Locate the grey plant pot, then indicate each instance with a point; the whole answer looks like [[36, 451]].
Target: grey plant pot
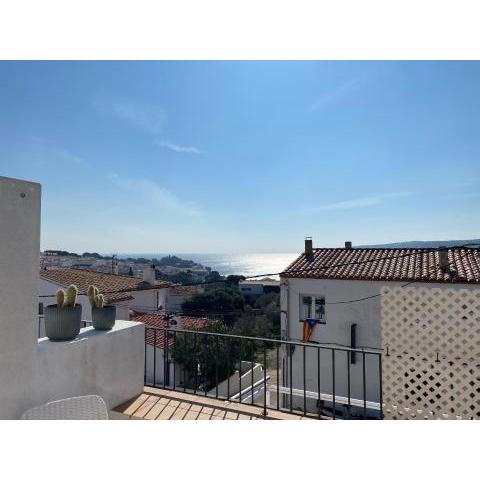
[[62, 324], [104, 318]]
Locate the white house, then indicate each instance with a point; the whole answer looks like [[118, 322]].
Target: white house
[[257, 287], [340, 290], [176, 295], [124, 291]]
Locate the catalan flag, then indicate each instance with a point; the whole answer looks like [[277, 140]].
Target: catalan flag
[[308, 326]]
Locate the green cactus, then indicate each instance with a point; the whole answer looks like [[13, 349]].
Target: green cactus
[[99, 301], [96, 300], [71, 296], [92, 292], [60, 298]]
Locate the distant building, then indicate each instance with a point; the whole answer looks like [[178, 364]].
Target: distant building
[[257, 287], [176, 295]]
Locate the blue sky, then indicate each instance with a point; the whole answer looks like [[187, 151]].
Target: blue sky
[[244, 156]]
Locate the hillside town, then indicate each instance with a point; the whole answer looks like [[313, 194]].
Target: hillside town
[[170, 267]]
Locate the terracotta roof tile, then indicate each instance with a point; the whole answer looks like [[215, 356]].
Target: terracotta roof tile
[[387, 264], [183, 290], [160, 320], [105, 282]]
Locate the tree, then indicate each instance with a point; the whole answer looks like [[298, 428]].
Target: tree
[[222, 300], [232, 280], [206, 359], [213, 276], [130, 271]]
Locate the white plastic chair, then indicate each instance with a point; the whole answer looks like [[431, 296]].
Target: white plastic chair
[[89, 407]]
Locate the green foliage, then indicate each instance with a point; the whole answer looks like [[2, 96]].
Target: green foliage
[[130, 272], [213, 276], [219, 300], [206, 357], [184, 278], [232, 280], [60, 298], [71, 296]]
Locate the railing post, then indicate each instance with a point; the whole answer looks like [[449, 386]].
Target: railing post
[[173, 354], [265, 381], [291, 378], [333, 383], [364, 386], [319, 383], [252, 365], [216, 367], [278, 385], [304, 382], [145, 357], [380, 384], [349, 408], [154, 357], [165, 357], [227, 345], [195, 364]]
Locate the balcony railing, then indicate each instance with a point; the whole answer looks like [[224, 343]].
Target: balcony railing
[[311, 379]]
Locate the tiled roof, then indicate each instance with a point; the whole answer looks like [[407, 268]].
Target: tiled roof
[[387, 264], [183, 291], [105, 282], [161, 321]]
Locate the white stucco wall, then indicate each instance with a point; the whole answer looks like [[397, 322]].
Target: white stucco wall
[[106, 363], [150, 299], [34, 371], [174, 303], [19, 259], [366, 314]]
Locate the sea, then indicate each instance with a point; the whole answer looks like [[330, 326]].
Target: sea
[[250, 264]]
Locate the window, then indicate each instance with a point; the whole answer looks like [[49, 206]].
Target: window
[[312, 307], [40, 308]]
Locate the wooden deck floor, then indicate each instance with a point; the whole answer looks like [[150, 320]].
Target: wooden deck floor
[[158, 404]]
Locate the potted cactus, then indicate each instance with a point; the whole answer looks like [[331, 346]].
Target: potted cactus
[[103, 315], [62, 321]]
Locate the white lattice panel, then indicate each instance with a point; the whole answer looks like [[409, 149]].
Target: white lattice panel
[[431, 362]]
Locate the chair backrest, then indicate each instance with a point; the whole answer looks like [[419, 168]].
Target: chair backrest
[[89, 407]]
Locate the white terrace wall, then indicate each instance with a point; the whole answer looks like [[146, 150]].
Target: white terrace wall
[[432, 368], [19, 260], [110, 364]]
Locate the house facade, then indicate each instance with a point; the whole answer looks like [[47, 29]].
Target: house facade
[[339, 290], [176, 295], [257, 287]]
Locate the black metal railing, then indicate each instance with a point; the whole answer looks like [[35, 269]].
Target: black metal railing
[[303, 378]]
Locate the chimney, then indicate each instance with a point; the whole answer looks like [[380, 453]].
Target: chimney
[[114, 265], [348, 244], [308, 247], [443, 259], [149, 275]]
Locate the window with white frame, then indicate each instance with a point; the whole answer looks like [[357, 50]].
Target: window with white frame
[[312, 307]]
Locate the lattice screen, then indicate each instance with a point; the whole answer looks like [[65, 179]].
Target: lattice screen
[[431, 361]]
